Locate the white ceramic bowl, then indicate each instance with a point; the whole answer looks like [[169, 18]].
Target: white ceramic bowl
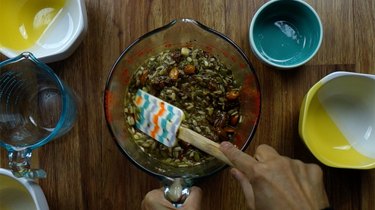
[[337, 120], [20, 193], [61, 39]]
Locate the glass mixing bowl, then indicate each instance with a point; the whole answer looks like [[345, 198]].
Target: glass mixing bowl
[[179, 33]]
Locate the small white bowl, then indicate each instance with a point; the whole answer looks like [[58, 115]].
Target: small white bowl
[[20, 193], [60, 39]]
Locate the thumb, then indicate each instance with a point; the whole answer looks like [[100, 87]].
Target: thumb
[[246, 187], [193, 201], [155, 200]]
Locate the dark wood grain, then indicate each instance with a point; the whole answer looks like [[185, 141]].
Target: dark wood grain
[[86, 170]]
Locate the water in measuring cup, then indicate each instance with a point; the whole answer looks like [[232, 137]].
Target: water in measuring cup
[[281, 41], [30, 108]]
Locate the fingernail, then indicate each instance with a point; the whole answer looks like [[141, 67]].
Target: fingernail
[[226, 145]]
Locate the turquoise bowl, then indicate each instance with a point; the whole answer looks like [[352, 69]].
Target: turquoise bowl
[[285, 33]]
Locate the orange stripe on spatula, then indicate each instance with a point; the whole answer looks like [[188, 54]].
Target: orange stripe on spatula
[[155, 120], [138, 100]]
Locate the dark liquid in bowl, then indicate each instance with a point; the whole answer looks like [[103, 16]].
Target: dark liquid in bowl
[[199, 84]]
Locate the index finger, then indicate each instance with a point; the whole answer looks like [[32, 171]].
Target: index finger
[[240, 160]]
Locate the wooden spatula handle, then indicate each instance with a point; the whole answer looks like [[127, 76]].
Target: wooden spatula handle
[[202, 143]]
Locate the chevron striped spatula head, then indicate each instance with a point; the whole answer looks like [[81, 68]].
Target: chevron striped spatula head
[[158, 119]]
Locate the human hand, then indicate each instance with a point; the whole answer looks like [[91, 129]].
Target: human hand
[[155, 200], [272, 181]]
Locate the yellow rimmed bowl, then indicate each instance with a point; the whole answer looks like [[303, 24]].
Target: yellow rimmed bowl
[[64, 22], [337, 120]]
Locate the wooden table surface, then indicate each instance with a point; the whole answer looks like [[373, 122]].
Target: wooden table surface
[[85, 168]]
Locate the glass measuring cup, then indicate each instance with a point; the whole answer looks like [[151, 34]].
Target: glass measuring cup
[[176, 34], [35, 107]]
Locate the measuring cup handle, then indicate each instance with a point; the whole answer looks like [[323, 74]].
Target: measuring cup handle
[[176, 190], [19, 163]]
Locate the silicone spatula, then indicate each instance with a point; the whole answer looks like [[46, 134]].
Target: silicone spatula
[[162, 121]]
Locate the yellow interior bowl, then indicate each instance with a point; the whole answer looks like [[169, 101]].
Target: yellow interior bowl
[[51, 30], [337, 120]]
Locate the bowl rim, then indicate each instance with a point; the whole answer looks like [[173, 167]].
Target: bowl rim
[[310, 95], [65, 51], [33, 189], [279, 66]]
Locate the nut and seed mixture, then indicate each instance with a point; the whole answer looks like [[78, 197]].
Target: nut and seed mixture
[[199, 84]]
